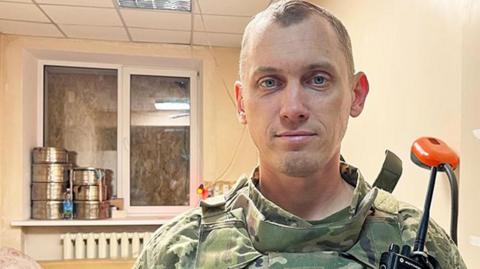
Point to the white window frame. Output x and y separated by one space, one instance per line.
123 129
195 171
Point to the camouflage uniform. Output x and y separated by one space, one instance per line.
245 230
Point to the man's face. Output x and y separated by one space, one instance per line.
296 95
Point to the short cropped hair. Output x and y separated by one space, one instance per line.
289 12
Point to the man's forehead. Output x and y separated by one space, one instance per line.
266 31
276 43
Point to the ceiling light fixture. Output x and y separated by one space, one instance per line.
171 106
178 5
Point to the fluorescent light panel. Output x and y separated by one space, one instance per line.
172 106
178 5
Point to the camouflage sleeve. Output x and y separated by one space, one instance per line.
438 244
174 245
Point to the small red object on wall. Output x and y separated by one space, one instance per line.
202 191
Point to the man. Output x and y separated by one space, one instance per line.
305 209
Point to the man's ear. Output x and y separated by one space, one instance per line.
360 92
242 117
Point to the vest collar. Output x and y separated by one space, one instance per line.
273 229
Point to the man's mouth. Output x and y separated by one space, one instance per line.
296 137
295 133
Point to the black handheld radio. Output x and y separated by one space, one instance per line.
433 154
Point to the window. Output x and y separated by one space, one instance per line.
163 161
80 114
141 123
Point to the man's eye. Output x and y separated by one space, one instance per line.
319 80
269 83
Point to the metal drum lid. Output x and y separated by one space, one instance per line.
92 210
50 172
49 155
48 191
88 176
90 193
47 210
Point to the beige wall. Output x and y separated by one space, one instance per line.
2 225
405 48
421 59
470 147
9 152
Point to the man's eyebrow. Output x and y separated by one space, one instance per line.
321 65
265 69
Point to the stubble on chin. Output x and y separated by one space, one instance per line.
298 165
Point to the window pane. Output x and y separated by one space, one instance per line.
159 141
81 114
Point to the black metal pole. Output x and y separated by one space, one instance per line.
423 228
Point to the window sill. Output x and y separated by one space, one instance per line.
128 221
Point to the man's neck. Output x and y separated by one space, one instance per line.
311 198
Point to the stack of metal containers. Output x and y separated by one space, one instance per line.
50 181
91 192
56 179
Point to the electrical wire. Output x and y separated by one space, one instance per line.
234 155
210 50
230 97
454 204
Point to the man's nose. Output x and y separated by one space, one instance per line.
294 107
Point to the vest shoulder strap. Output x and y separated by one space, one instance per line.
214 208
390 173
386 202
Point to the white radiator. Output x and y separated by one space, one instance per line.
103 245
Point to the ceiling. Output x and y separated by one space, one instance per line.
211 22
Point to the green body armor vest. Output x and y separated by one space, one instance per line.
234 233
